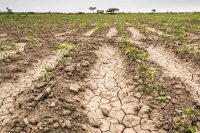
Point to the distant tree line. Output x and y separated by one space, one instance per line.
113 10
110 10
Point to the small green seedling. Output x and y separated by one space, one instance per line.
189 111
147 90
31 40
65 51
15 48
1 47
123 38
2 55
143 67
151 73
161 98
142 56
132 50
65 48
183 120
47 72
198 47
74 30
151 85
83 25
62 46
192 128
184 50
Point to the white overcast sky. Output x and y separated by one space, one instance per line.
82 5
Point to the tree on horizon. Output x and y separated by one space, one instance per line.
153 10
8 10
92 8
112 10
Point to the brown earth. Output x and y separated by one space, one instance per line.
99 90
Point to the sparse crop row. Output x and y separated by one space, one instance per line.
150 75
178 32
150 80
64 50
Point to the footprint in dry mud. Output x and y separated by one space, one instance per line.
112 102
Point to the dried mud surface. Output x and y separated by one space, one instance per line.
172 67
154 30
99 90
15 64
112 32
53 106
113 101
9 90
89 33
192 41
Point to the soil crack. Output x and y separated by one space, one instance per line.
112 106
172 66
9 90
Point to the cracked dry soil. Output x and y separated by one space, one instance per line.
109 99
172 66
112 102
52 106
9 90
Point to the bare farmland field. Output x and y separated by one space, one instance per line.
123 73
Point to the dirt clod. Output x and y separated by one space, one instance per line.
75 88
105 112
66 112
97 124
